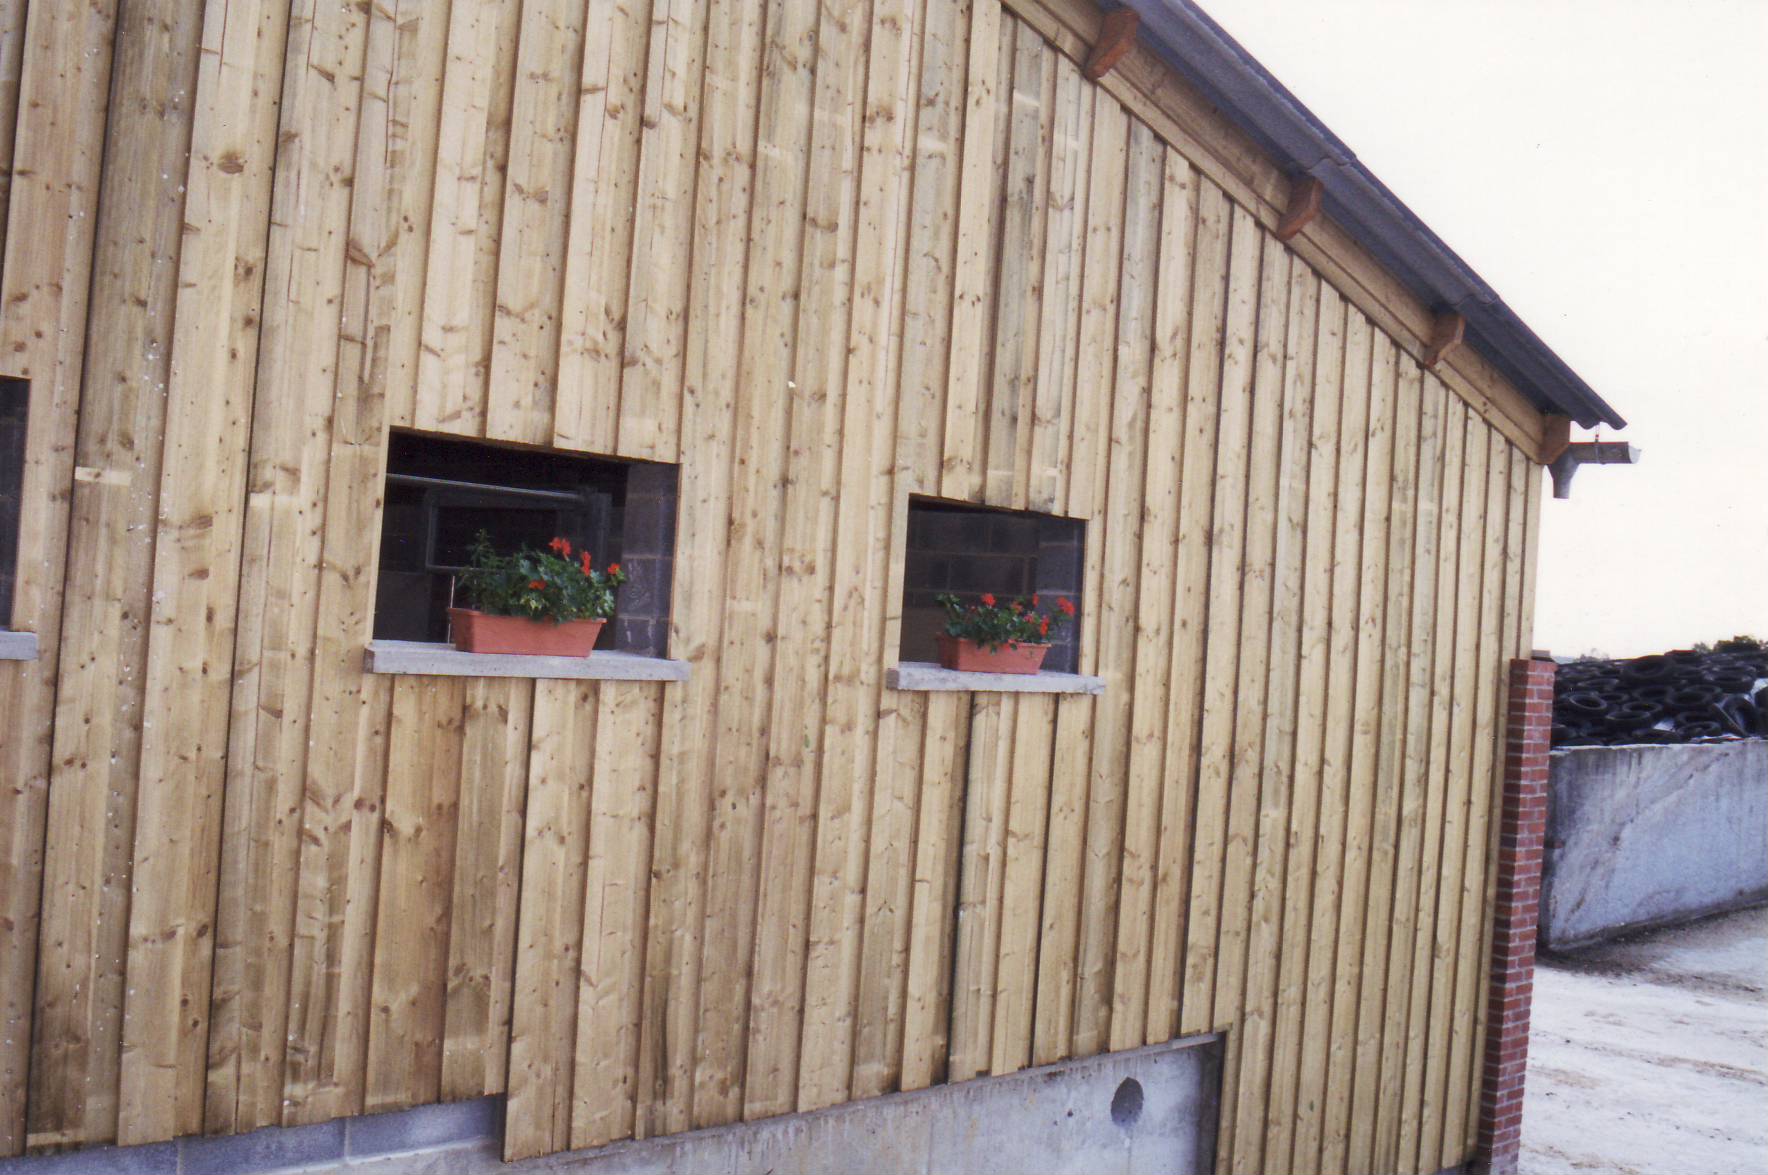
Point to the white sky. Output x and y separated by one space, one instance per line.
1603 164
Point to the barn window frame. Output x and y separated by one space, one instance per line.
437 487
966 548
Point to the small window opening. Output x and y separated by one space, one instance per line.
442 492
963 550
15 402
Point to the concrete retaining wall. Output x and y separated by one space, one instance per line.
1647 835
1150 1110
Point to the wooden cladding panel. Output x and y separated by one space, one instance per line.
825 261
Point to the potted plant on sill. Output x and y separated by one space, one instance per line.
991 637
549 603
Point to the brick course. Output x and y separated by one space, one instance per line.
1511 982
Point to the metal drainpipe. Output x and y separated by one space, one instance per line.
1588 453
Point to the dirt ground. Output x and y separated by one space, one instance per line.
1650 1055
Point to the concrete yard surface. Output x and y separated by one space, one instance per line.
1649 1055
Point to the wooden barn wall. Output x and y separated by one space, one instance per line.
824 256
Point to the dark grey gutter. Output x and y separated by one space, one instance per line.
1260 106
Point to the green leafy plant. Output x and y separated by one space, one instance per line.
992 624
556 584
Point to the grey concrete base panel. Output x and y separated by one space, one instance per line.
1650 836
1149 1110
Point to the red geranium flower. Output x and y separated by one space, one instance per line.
537 584
1067 607
1043 627
988 599
1034 601
562 546
583 557
613 569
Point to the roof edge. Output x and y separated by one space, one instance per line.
1250 97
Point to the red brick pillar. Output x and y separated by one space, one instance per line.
1512 982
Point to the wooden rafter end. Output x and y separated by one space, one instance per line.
1117 36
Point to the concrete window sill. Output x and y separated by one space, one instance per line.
925 675
17 646
425 659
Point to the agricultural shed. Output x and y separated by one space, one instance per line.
775 299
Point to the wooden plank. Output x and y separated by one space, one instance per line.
214 348
12 52
752 569
1166 314
286 512
96 679
613 104
450 392
816 398
1256 602
616 897
981 877
1364 751
1338 376
1021 902
1454 436
58 98
1414 766
1391 781
1089 437
420 823
1198 1010
662 241
532 239
933 929
1172 885
890 888
376 365
1267 898
495 736
1306 815
668 1037
1456 815
1484 788
549 934
864 622
1116 603
1011 389
1049 458
960 463
928 305
409 136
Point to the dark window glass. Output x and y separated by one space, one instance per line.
966 550
15 402
442 492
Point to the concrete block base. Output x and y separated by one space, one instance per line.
1645 836
1147 1110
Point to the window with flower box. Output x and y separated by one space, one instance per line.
969 551
442 492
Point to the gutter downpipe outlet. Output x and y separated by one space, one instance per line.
1588 453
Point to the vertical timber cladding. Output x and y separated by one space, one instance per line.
823 258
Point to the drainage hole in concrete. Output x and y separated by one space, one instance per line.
1126 1103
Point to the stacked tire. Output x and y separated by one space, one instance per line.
1684 696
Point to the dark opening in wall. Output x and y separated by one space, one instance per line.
15 402
968 550
442 491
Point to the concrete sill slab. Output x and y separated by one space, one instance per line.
17 646
925 675
425 659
